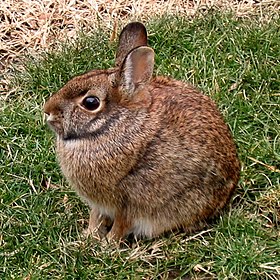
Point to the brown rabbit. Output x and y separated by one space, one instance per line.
148 154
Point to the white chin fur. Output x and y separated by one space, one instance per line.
69 144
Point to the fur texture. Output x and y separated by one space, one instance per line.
155 155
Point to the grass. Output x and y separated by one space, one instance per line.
236 62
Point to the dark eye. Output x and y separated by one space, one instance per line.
91 103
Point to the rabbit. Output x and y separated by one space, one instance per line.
148 154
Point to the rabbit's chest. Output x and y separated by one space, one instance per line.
93 172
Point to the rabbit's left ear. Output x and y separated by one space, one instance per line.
132 36
136 71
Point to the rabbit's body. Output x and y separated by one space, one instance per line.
146 163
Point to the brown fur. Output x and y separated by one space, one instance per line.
155 156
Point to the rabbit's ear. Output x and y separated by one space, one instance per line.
136 70
132 36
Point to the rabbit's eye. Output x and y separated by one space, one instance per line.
91 103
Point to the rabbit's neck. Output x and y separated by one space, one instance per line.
95 167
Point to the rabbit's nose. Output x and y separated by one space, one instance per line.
52 110
52 106
49 117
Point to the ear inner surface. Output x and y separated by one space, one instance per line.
137 69
132 36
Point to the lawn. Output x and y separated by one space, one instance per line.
234 60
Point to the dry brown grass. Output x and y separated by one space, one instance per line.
28 25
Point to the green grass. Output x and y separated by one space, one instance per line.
237 63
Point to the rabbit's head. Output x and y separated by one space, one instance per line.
82 107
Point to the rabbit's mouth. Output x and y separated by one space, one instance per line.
54 124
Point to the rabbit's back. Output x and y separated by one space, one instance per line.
189 168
